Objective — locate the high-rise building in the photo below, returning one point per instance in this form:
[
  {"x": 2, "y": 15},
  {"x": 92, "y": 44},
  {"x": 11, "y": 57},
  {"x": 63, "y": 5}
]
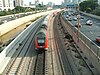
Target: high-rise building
[
  {"x": 1, "y": 5},
  {"x": 36, "y": 2},
  {"x": 11, "y": 3},
  {"x": 66, "y": 2},
  {"x": 6, "y": 4},
  {"x": 50, "y": 4},
  {"x": 41, "y": 3},
  {"x": 75, "y": 1},
  {"x": 99, "y": 2}
]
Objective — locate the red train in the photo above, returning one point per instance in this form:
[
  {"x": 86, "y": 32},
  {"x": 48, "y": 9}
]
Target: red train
[
  {"x": 41, "y": 37},
  {"x": 41, "y": 40}
]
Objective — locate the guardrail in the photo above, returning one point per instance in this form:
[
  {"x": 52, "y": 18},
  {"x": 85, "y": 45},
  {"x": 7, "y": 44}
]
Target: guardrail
[
  {"x": 93, "y": 47},
  {"x": 91, "y": 15},
  {"x": 8, "y": 52}
]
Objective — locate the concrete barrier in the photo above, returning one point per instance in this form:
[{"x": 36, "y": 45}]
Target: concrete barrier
[{"x": 91, "y": 15}]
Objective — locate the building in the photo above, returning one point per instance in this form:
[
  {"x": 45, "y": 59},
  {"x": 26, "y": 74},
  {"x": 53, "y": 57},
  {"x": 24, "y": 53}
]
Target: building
[
  {"x": 31, "y": 5},
  {"x": 36, "y": 2},
  {"x": 42, "y": 3},
  {"x": 99, "y": 2},
  {"x": 6, "y": 4},
  {"x": 70, "y": 4},
  {"x": 18, "y": 2},
  {"x": 75, "y": 1},
  {"x": 10, "y": 4},
  {"x": 1, "y": 5},
  {"x": 50, "y": 4},
  {"x": 67, "y": 2}
]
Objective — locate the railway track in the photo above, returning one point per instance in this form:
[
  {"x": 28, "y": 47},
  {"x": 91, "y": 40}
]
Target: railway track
[
  {"x": 51, "y": 46},
  {"x": 72, "y": 60},
  {"x": 39, "y": 68},
  {"x": 63, "y": 58},
  {"x": 53, "y": 67},
  {"x": 23, "y": 59}
]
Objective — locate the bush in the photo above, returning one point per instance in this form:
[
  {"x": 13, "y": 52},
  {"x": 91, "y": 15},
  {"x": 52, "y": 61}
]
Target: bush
[
  {"x": 2, "y": 13},
  {"x": 88, "y": 10},
  {"x": 97, "y": 11}
]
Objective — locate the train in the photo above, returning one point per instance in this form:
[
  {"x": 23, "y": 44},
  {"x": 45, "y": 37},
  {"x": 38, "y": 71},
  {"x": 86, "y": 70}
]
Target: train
[{"x": 41, "y": 37}]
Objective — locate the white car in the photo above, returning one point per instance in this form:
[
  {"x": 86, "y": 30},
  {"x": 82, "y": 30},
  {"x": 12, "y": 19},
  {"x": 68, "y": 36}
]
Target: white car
[
  {"x": 82, "y": 17},
  {"x": 67, "y": 16},
  {"x": 89, "y": 22},
  {"x": 75, "y": 19}
]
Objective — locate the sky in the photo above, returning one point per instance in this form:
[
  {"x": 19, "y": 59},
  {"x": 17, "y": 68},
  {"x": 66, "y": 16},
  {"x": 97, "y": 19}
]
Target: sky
[{"x": 45, "y": 1}]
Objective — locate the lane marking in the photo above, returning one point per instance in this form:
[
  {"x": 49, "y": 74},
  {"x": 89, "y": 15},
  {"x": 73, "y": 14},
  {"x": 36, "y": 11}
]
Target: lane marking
[
  {"x": 90, "y": 27},
  {"x": 91, "y": 32},
  {"x": 97, "y": 26}
]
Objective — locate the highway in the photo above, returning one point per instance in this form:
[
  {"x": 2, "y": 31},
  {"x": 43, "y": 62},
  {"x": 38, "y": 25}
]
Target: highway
[
  {"x": 90, "y": 31},
  {"x": 4, "y": 19}
]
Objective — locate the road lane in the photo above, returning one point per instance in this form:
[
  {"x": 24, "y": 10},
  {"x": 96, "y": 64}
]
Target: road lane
[{"x": 90, "y": 31}]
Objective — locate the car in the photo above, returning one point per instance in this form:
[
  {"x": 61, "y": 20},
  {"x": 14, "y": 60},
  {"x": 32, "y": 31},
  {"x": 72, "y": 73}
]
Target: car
[
  {"x": 67, "y": 16},
  {"x": 81, "y": 17},
  {"x": 75, "y": 19},
  {"x": 89, "y": 22},
  {"x": 98, "y": 39},
  {"x": 69, "y": 19},
  {"x": 5, "y": 21}
]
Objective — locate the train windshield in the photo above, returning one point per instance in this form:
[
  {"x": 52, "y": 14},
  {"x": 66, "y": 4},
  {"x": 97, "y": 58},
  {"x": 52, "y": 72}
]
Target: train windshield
[
  {"x": 41, "y": 41},
  {"x": 41, "y": 38}
]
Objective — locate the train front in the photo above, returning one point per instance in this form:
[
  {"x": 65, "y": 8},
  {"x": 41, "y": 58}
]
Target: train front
[{"x": 41, "y": 40}]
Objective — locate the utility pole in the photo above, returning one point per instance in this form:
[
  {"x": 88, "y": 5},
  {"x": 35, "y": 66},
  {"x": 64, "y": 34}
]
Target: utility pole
[{"x": 78, "y": 20}]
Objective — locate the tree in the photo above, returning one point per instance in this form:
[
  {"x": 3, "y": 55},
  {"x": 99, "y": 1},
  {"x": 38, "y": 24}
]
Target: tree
[
  {"x": 2, "y": 13},
  {"x": 88, "y": 5},
  {"x": 28, "y": 9},
  {"x": 88, "y": 10},
  {"x": 97, "y": 11},
  {"x": 19, "y": 9}
]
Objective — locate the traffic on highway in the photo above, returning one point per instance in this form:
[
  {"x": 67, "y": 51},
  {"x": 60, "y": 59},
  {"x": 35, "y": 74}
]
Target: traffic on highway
[{"x": 88, "y": 25}]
